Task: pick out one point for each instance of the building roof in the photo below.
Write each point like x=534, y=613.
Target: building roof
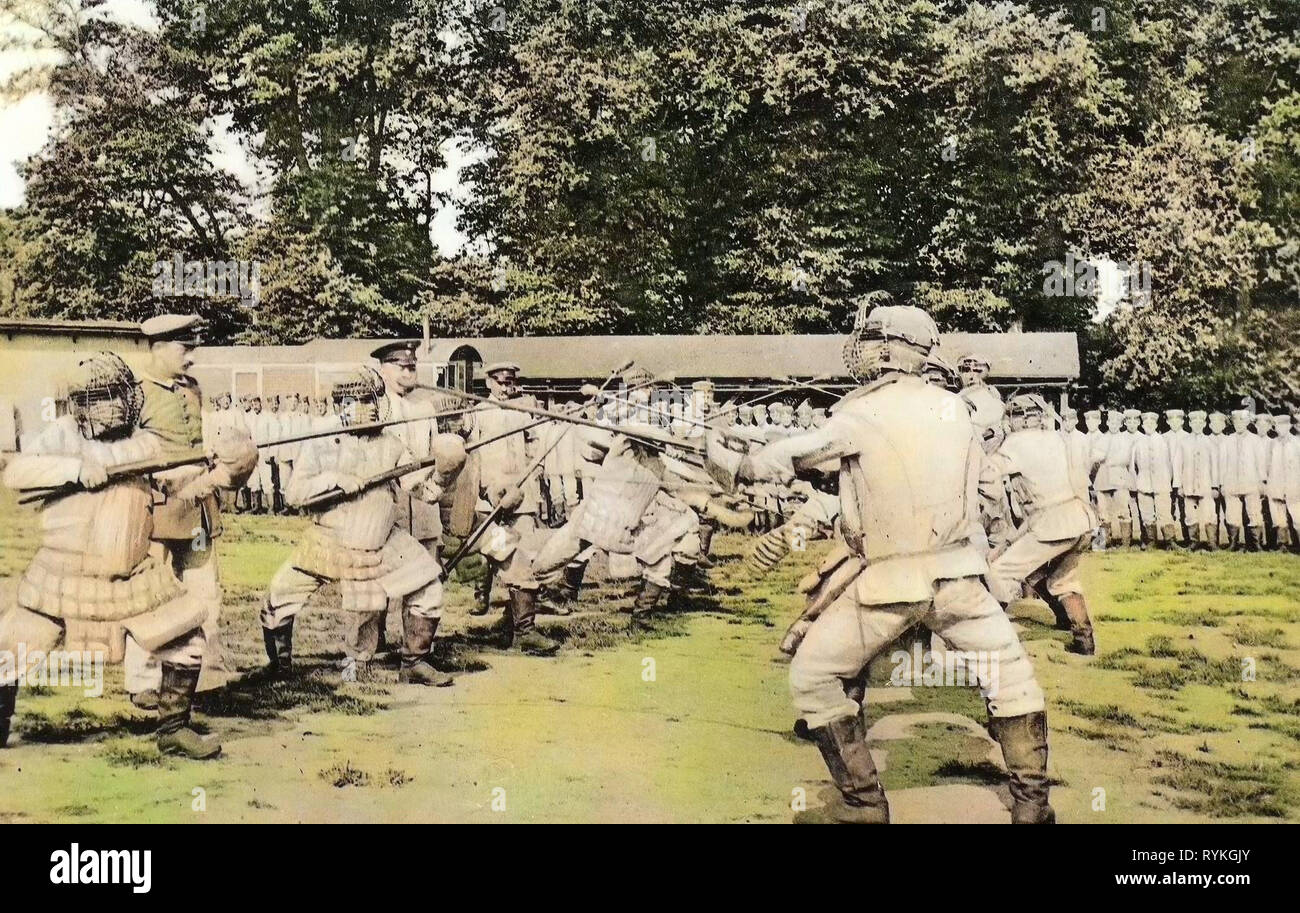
x=43, y=326
x=1034, y=357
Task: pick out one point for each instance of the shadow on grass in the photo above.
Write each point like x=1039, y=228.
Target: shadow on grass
x=258, y=698
x=76, y=725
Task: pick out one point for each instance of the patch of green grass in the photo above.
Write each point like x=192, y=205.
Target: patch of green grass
x=1113, y=741
x=1109, y=713
x=132, y=754
x=1187, y=619
x=264, y=700
x=1161, y=646
x=938, y=751
x=1258, y=637
x=1222, y=790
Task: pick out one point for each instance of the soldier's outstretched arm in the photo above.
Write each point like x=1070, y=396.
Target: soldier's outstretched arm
x=781, y=460
x=26, y=470
x=52, y=460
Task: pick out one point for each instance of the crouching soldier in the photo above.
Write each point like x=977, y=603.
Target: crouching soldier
x=1058, y=520
x=352, y=539
x=95, y=583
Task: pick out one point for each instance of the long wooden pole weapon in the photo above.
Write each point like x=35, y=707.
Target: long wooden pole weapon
x=472, y=539
x=639, y=434
x=397, y=472
x=194, y=457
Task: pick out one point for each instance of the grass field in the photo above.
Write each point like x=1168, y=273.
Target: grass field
x=690, y=721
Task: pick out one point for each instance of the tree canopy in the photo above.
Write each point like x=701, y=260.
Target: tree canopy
x=684, y=166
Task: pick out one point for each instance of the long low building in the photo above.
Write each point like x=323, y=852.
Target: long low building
x=562, y=364
x=36, y=354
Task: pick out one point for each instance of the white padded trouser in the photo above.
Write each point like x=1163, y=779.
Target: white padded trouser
x=848, y=635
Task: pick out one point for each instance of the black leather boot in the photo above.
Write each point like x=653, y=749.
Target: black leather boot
x=417, y=643
x=522, y=625
x=572, y=585
x=482, y=593
x=706, y=542
x=843, y=744
x=1076, y=609
x=647, y=600
x=1024, y=746
x=175, y=698
x=1258, y=539
x=279, y=649
x=8, y=703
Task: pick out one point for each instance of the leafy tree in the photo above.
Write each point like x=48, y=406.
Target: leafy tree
x=127, y=177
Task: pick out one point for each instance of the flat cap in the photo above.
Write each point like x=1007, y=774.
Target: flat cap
x=186, y=328
x=501, y=366
x=1132, y=413
x=1175, y=413
x=1147, y=415
x=1197, y=415
x=401, y=352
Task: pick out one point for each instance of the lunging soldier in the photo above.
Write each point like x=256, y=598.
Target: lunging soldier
x=909, y=468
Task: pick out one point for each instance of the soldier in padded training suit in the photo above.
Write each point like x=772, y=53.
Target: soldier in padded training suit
x=1058, y=520
x=353, y=540
x=909, y=469
x=97, y=583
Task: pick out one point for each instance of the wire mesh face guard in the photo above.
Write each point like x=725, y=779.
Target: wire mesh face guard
x=889, y=338
x=1028, y=410
x=972, y=369
x=104, y=396
x=359, y=398
x=636, y=377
